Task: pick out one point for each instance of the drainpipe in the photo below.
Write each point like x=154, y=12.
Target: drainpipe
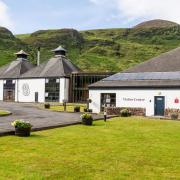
x=17, y=90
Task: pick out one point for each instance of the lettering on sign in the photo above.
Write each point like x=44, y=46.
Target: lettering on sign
x=134, y=99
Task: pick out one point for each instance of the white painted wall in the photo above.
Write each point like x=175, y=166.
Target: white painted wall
x=1, y=90
x=64, y=89
x=137, y=98
x=34, y=85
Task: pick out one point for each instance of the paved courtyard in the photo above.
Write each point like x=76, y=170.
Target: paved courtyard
x=40, y=119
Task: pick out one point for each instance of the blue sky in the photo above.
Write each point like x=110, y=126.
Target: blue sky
x=22, y=16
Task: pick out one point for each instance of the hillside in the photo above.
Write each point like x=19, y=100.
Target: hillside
x=105, y=49
x=157, y=23
x=9, y=44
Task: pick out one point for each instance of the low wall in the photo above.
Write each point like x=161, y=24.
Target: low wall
x=169, y=111
x=134, y=111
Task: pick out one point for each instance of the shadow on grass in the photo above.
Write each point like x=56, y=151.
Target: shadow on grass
x=36, y=136
x=100, y=124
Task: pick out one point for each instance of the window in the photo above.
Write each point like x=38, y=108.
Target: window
x=108, y=100
x=52, y=90
x=79, y=85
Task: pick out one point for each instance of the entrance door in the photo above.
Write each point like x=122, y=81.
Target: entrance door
x=9, y=95
x=159, y=105
x=36, y=97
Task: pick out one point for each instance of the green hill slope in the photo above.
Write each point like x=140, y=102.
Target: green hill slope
x=9, y=44
x=104, y=49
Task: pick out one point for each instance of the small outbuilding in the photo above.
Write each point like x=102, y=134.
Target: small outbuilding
x=151, y=88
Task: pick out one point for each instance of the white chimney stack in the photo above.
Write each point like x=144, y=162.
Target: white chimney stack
x=38, y=56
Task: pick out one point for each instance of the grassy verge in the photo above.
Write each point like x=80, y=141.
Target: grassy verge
x=123, y=148
x=4, y=113
x=69, y=107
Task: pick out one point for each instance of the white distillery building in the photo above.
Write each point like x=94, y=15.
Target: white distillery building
x=152, y=87
x=21, y=81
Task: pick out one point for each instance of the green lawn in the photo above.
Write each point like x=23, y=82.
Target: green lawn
x=124, y=148
x=69, y=107
x=4, y=113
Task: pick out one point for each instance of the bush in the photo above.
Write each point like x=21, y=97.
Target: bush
x=174, y=116
x=21, y=124
x=125, y=113
x=87, y=119
x=77, y=109
x=87, y=110
x=47, y=106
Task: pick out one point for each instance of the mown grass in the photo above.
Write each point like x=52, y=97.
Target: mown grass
x=123, y=148
x=4, y=113
x=69, y=108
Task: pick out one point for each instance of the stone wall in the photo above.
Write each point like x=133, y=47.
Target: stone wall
x=134, y=111
x=169, y=111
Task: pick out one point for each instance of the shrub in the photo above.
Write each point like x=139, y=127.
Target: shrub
x=87, y=119
x=85, y=109
x=21, y=124
x=47, y=106
x=174, y=116
x=77, y=109
x=125, y=113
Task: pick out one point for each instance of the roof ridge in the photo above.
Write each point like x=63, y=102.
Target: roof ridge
x=62, y=60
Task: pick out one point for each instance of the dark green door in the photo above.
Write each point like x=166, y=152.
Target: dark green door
x=159, y=105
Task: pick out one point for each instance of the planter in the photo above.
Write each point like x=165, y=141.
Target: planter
x=87, y=122
x=87, y=110
x=23, y=132
x=77, y=109
x=174, y=116
x=47, y=106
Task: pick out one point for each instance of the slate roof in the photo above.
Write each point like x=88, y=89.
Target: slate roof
x=15, y=69
x=58, y=66
x=139, y=80
x=166, y=62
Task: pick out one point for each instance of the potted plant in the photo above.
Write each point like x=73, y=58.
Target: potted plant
x=47, y=106
x=125, y=113
x=22, y=128
x=90, y=110
x=77, y=109
x=174, y=116
x=85, y=109
x=87, y=119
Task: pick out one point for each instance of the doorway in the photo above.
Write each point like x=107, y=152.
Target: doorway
x=9, y=90
x=159, y=105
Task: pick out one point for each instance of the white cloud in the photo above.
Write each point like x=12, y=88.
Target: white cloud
x=5, y=19
x=132, y=10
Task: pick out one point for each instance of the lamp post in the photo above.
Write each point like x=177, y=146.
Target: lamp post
x=88, y=101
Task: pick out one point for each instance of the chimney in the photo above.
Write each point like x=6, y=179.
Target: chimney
x=22, y=55
x=38, y=56
x=60, y=51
